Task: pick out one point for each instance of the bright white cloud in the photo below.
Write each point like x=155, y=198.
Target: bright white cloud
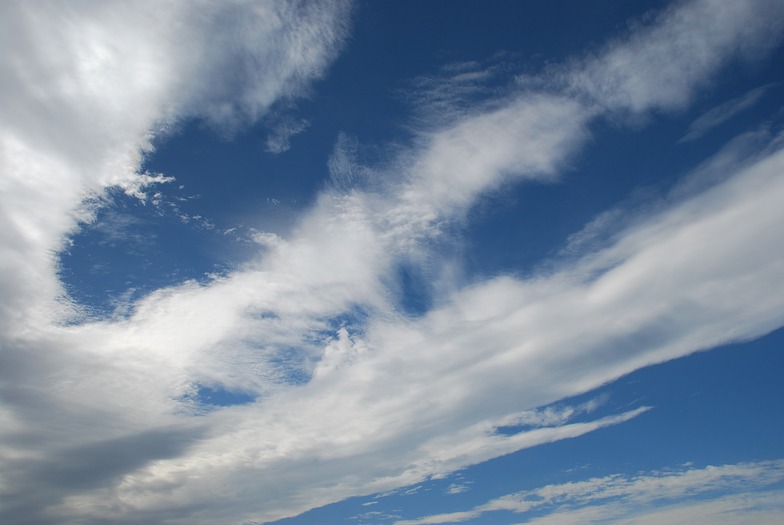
x=90, y=84
x=389, y=400
x=662, y=65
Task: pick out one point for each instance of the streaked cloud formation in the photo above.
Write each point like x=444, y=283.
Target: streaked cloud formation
x=687, y=495
x=724, y=112
x=101, y=420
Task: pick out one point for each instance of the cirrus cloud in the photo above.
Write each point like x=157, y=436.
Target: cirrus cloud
x=101, y=418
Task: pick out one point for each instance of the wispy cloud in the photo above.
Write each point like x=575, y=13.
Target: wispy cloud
x=717, y=116
x=458, y=488
x=660, y=66
x=279, y=140
x=89, y=86
x=732, y=494
x=421, y=396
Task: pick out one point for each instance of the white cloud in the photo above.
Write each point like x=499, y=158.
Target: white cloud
x=457, y=488
x=661, y=65
x=720, y=114
x=731, y=494
x=90, y=84
x=659, y=299
x=742, y=509
x=279, y=140
x=100, y=422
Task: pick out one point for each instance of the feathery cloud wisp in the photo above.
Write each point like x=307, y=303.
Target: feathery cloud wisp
x=732, y=494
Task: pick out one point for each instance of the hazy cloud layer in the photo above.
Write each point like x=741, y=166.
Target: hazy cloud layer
x=100, y=419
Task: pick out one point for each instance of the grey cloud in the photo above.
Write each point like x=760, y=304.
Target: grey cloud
x=41, y=485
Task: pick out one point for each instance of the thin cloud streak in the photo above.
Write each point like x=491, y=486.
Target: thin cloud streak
x=720, y=114
x=661, y=66
x=734, y=494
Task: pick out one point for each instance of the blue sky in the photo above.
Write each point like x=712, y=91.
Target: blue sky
x=395, y=263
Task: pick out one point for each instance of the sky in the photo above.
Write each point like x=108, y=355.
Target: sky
x=391, y=262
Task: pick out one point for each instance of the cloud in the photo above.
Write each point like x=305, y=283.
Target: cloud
x=91, y=85
x=345, y=170
x=458, y=90
x=280, y=139
x=662, y=64
x=720, y=114
x=457, y=488
x=655, y=298
x=732, y=494
x=352, y=396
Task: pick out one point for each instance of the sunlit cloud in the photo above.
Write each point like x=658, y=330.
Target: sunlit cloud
x=724, y=112
x=337, y=390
